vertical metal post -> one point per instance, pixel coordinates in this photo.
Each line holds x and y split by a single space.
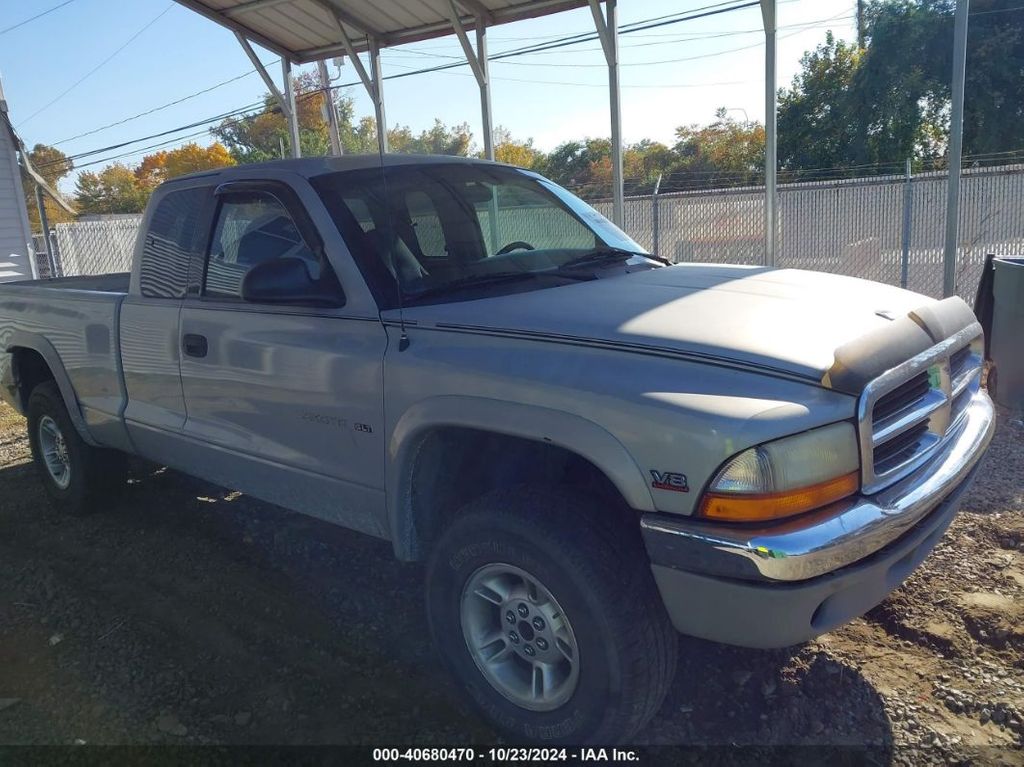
655 218
614 96
771 215
608 31
332 113
956 138
44 225
293 115
908 205
485 90
378 95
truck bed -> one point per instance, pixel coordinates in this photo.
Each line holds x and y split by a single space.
73 323
116 282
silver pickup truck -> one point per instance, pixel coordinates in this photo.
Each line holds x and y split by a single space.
591 449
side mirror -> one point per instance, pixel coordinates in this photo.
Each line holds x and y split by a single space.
287 281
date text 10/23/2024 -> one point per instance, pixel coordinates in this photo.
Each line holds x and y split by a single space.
504 754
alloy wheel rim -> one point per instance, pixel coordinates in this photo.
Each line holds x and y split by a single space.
519 637
55 452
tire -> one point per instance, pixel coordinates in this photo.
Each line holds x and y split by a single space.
587 563
93 474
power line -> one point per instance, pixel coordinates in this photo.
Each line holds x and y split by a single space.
33 18
162 107
92 71
123 144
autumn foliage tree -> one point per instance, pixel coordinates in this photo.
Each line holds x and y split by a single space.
120 189
190 158
53 165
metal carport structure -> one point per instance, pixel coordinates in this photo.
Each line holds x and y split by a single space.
305 31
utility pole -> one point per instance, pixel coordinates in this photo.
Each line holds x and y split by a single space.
860 23
956 140
44 225
332 113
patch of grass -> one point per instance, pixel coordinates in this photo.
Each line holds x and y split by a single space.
11 421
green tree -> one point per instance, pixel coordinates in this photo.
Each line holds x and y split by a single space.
725 152
509 150
114 189
578 165
438 139
869 109
817 122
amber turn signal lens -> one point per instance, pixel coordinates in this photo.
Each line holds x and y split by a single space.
759 507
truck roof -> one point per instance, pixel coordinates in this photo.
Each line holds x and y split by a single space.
316 166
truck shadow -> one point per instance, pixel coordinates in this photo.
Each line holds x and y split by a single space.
250 624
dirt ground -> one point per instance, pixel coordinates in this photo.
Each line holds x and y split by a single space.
184 613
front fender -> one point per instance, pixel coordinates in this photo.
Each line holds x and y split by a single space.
565 430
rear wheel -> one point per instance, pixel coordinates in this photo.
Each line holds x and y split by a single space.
76 475
543 606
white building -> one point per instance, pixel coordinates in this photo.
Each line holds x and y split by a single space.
17 261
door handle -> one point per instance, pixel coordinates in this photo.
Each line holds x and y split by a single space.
194 345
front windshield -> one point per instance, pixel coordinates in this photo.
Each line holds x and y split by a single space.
434 230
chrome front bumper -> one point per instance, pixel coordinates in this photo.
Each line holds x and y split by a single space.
825 541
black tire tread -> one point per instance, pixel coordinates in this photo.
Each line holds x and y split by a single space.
603 543
101 472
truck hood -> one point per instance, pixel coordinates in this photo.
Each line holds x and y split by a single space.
783 320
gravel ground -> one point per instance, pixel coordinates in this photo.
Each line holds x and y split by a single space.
186 614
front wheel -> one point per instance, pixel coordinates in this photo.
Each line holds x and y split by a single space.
542 604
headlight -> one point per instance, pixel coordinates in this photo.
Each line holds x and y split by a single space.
786 477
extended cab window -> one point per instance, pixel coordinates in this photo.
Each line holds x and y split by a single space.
251 229
174 236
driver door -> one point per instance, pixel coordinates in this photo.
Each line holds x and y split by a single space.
282 393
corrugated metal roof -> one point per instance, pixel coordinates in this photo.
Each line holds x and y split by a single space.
307 30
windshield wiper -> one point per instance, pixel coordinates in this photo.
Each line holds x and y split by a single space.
481 280
608 256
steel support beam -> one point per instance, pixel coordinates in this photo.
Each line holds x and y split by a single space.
292 114
378 96
262 71
608 32
332 113
371 80
956 139
478 63
771 150
286 100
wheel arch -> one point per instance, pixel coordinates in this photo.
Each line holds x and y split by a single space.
523 428
34 360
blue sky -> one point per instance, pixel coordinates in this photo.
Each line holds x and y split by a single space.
671 75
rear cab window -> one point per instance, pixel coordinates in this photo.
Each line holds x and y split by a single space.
175 236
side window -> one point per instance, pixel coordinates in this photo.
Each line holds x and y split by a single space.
251 228
426 223
174 236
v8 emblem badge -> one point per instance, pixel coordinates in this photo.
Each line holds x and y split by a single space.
669 480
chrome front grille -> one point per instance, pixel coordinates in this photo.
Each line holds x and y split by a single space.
908 411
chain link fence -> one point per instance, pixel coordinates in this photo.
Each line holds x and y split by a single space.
103 246
885 228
